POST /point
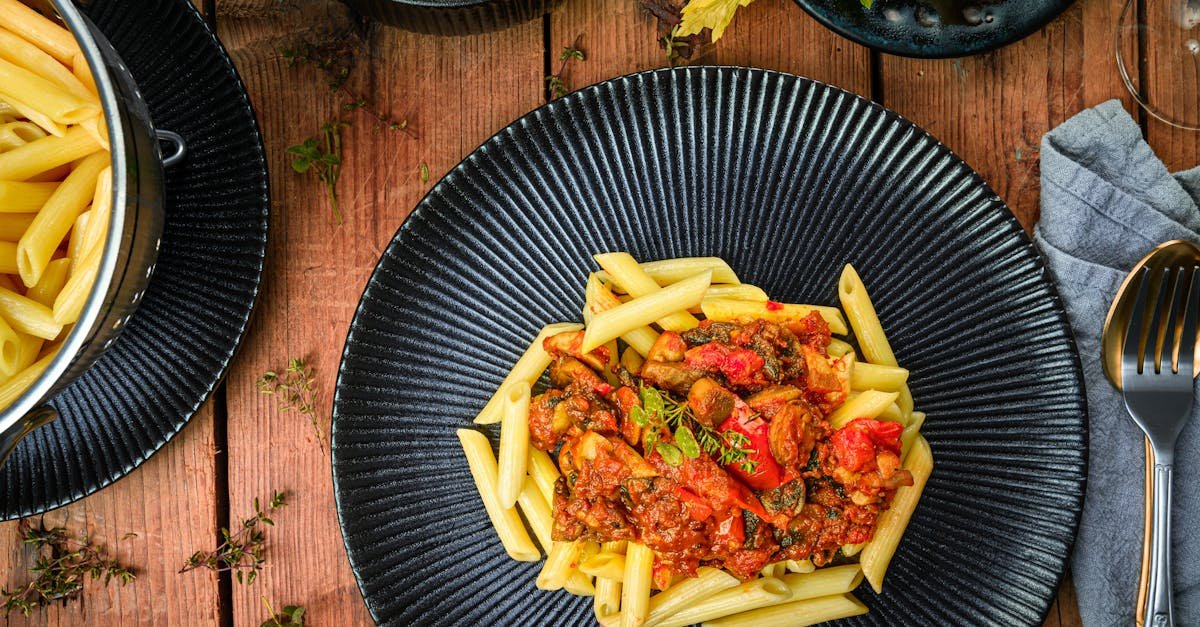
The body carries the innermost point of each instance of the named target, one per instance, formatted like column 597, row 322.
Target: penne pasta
column 514, row 443
column 800, row 566
column 579, row 585
column 75, row 236
column 635, row 588
column 608, row 591
column 538, row 513
column 528, row 368
column 17, row 134
column 863, row 319
column 35, row 115
column 47, row 153
column 796, row 613
column 632, row 361
column 56, row 217
column 559, row 565
column 18, row 198
column 727, row 309
column 638, row 312
column 823, row 582
column 626, row 272
column 598, row 298
column 878, row 553
column 868, row 404
column 24, row 54
column 38, row 30
column 12, row 389
column 506, row 522
column 8, row 257
column 83, row 72
column 707, row 582
column 31, row 346
column 604, row 564
column 743, row 597
column 543, row 472
column 68, row 305
column 915, row 421
column 668, row 271
column 905, row 401
column 743, row 291
column 28, row 316
column 866, row 376
column 10, row 350
column 101, row 213
column 839, row 348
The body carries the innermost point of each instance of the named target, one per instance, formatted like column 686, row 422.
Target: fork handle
column 1159, row 601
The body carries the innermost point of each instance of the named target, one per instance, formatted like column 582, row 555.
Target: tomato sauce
column 764, row 479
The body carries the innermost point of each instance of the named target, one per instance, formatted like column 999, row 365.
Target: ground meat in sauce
column 825, row 489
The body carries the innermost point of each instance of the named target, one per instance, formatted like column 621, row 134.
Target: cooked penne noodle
column 559, row 565
column 10, row 350
column 743, row 597
column 867, row 376
column 17, row 134
column 98, row 129
column 641, row 311
column 860, row 311
column 599, row 298
column 707, row 582
column 878, row 553
column 608, row 591
column 728, row 309
column 631, row 360
column 635, row 588
column 626, row 272
column 868, row 404
column 839, row 348
column 800, row 566
column 75, row 236
column 528, row 368
column 68, row 305
column 906, row 400
column 14, row 225
column 579, row 585
column 604, row 564
column 23, row 198
column 38, row 30
column 31, row 346
column 823, row 582
column 668, row 271
column 53, row 175
column 743, row 291
column 543, row 472
column 8, row 257
column 12, row 389
column 28, row 316
column 47, row 153
column 537, row 511
column 83, row 72
column 514, row 443
column 507, row 522
column 796, row 613
column 915, row 421
column 52, row 223
column 101, row 213
column 21, row 52
column 35, row 115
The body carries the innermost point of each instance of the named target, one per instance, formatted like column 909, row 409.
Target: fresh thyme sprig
column 243, row 552
column 323, row 158
column 294, row 389
column 555, row 83
column 291, row 616
column 335, row 59
column 62, row 564
column 660, row 412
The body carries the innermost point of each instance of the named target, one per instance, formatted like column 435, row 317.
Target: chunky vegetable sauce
column 716, row 450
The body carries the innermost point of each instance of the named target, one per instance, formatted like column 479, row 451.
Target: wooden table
column 991, row 109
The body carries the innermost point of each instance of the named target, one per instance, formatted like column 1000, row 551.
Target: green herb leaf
column 670, row 453
column 638, row 416
column 686, row 441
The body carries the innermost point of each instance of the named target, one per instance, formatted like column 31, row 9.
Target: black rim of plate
column 180, row 340
column 1002, row 23
column 788, row 179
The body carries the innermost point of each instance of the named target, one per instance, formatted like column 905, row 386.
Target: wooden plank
column 1065, row 611
column 170, row 504
column 620, row 38
column 992, row 109
column 456, row 92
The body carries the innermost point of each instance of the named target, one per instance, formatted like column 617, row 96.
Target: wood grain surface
column 991, row 109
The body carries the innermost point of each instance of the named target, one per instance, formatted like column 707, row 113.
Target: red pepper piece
column 767, row 472
column 698, row 508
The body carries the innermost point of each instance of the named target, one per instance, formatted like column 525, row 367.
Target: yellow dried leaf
column 712, row 14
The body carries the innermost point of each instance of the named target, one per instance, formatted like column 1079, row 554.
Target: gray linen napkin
column 1106, row 201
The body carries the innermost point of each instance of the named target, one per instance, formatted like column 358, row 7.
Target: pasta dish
column 700, row 440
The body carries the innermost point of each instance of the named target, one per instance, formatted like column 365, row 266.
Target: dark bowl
column 131, row 248
column 452, row 17
column 935, row 28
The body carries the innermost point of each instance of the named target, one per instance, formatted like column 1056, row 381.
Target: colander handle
column 178, row 147
column 37, row 417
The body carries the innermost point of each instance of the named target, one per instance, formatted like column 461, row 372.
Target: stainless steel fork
column 1156, row 368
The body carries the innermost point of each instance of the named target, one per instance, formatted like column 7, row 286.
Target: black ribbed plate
column 788, row 180
column 178, row 343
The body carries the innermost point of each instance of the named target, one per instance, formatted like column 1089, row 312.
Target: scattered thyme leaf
column 670, row 453
column 323, row 158
column 244, row 551
column 423, row 172
column 62, row 564
column 867, row 3
column 661, row 412
column 295, row 392
column 336, row 59
column 686, row 441
column 291, row 616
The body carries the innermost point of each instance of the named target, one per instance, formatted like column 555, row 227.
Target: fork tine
column 1131, row 363
column 1160, row 309
column 1187, row 340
